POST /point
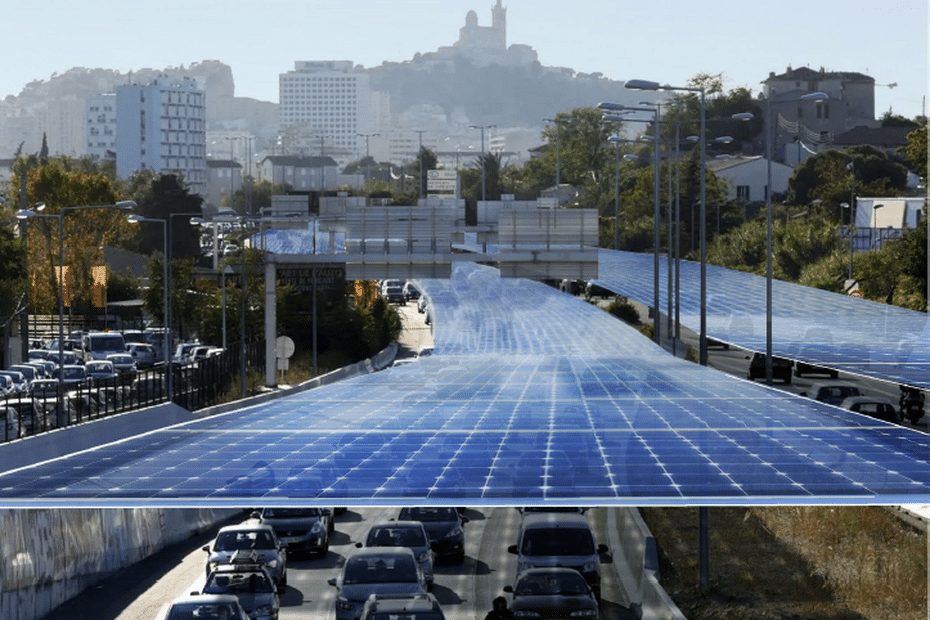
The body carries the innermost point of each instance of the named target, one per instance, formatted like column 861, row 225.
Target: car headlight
column 590, row 566
column 272, row 563
column 455, row 532
column 526, row 614
column 317, row 528
column 584, row 613
column 264, row 610
column 344, row 604
column 423, row 557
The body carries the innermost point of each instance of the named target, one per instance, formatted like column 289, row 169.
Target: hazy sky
column 668, row 41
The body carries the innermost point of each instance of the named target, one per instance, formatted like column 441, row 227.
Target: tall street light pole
column 25, row 214
column 558, row 161
column 420, row 183
column 483, row 180
column 367, row 136
column 816, row 96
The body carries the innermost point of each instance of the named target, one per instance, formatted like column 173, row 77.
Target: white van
column 559, row 539
column 98, row 345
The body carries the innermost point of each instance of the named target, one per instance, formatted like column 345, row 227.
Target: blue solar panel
column 849, row 334
column 531, row 395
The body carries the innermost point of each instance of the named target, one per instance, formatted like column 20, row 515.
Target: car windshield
column 429, row 514
column 203, row 611
column 239, row 583
column 107, row 343
column 396, row 537
column 417, row 615
column 291, row 513
column 551, row 583
column 247, row 539
column 380, row 569
column 838, row 392
column 564, row 541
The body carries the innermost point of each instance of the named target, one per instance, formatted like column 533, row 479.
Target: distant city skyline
column 669, row 41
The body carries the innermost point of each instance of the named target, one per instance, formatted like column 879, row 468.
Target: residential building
column 850, row 103
column 306, row 174
column 329, row 100
column 162, row 126
column 224, row 177
column 747, row 177
column 101, row 127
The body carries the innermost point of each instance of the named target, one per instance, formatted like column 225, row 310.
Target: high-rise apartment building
column 100, row 130
column 329, row 100
column 162, row 126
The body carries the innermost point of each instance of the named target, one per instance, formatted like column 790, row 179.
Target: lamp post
column 483, row 181
column 367, row 136
column 815, row 96
column 167, row 339
column 420, row 183
column 25, row 214
column 558, row 161
column 617, row 107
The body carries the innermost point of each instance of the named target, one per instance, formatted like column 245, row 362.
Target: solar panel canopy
column 531, row 396
column 849, row 334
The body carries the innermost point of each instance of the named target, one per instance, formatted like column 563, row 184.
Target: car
column 422, row 302
column 184, row 354
column 299, row 529
column 803, row 368
column 552, row 592
column 98, row 345
column 101, row 370
column 18, row 379
column 123, row 364
column 410, row 534
column 143, row 354
column 425, row 352
column 204, row 607
column 411, row 292
column 375, row 570
column 249, row 536
column 874, row 406
column 31, row 373
column 246, row 578
column 6, row 386
column 559, row 539
column 72, row 375
column 394, row 294
column 595, row 290
column 445, row 528
column 781, row 368
column 390, row 607
column 832, row 392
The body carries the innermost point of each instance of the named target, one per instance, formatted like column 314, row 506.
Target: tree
column 163, row 196
column 828, row 177
column 916, row 151
column 428, row 159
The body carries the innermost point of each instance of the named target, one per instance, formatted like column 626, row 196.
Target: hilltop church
column 485, row 45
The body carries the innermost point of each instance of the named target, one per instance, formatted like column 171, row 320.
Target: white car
column 204, row 607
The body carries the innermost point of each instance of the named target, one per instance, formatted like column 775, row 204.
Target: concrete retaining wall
column 50, row 556
column 633, row 546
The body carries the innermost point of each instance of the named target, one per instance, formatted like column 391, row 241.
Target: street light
column 558, row 162
column 619, row 107
column 483, row 181
column 167, row 340
column 25, row 214
column 815, row 96
column 367, row 136
column 649, row 85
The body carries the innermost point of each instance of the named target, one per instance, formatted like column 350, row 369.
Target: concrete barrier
column 50, row 556
column 633, row 545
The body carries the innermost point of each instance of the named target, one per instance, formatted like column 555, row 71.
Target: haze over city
column 670, row 41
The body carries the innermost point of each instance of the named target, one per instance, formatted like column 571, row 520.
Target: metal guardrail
column 196, row 385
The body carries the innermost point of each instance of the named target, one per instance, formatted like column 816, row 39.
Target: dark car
column 205, row 607
column 444, row 526
column 300, row 529
column 259, row 538
column 875, row 406
column 781, row 368
column 802, row 368
column 375, row 571
column 554, row 592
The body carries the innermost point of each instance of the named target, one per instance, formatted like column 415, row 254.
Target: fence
column 195, row 386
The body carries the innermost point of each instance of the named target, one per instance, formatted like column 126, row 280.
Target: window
column 742, row 192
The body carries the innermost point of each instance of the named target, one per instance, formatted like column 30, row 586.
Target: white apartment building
column 162, row 126
column 101, row 127
column 328, row 98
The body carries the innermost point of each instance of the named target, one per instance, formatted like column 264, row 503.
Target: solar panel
column 531, row 395
column 849, row 334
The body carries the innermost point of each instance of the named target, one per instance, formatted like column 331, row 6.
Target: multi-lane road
column 465, row 591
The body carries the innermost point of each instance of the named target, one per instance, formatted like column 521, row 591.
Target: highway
column 465, row 591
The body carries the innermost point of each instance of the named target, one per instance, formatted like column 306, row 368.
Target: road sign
column 441, row 174
column 441, row 185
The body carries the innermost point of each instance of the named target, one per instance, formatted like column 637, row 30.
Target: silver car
column 410, row 534
column 249, row 536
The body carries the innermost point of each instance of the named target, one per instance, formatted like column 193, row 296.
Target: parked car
column 249, row 536
column 246, row 578
column 410, row 534
column 875, row 406
column 373, row 571
column 445, row 529
column 781, row 368
column 142, row 353
column 416, row 607
column 553, row 592
column 299, row 529
column 832, row 392
column 559, row 539
column 204, row 607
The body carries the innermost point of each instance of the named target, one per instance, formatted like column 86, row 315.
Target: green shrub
column 625, row 311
